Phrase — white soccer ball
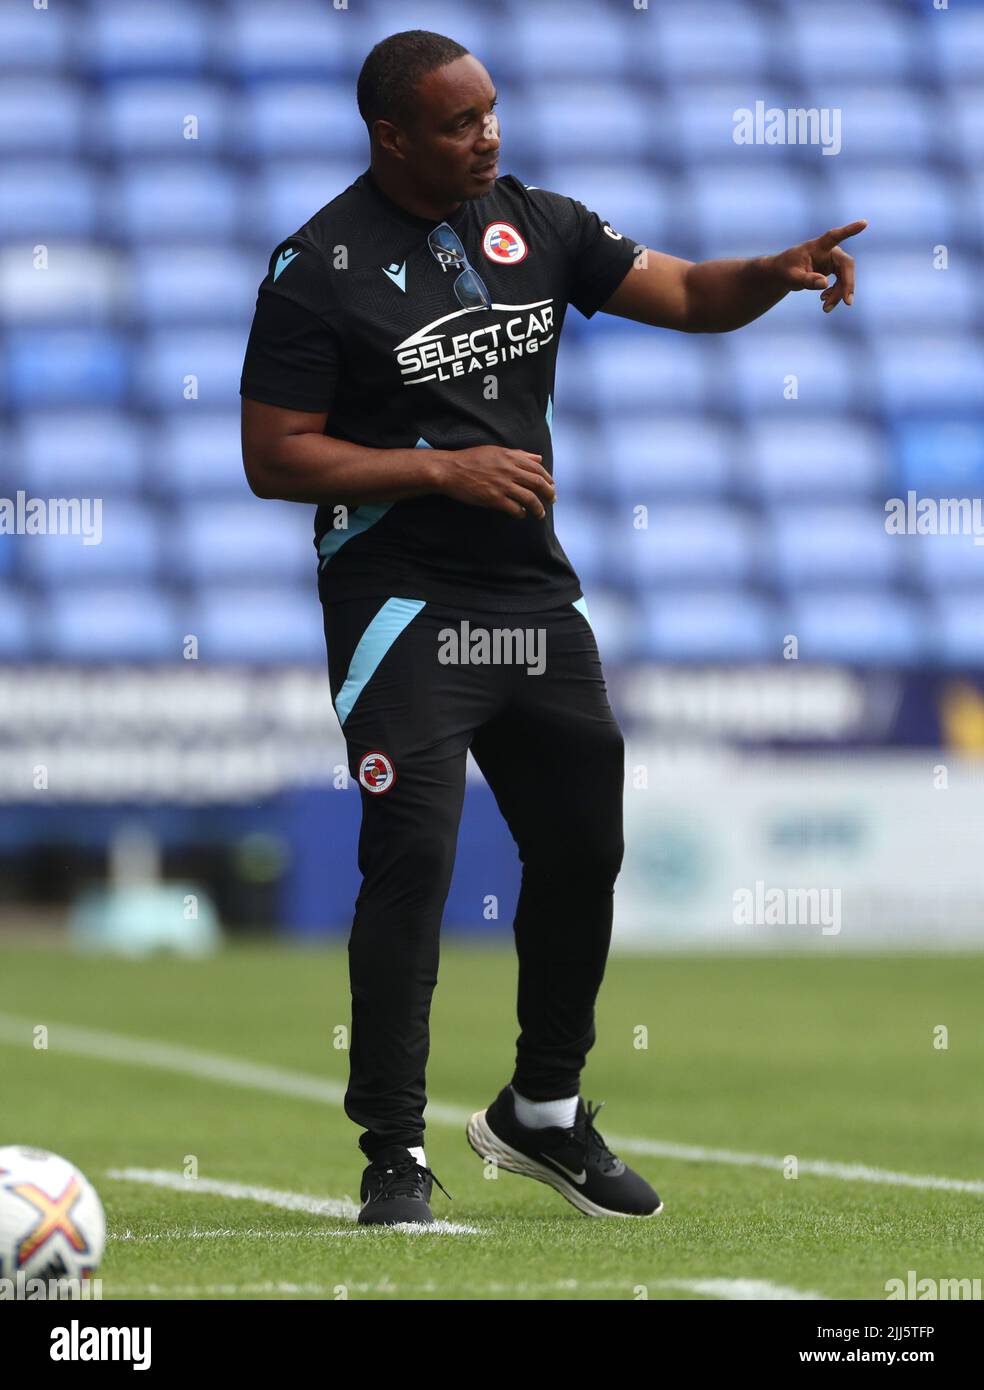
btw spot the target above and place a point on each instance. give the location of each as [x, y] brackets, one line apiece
[52, 1224]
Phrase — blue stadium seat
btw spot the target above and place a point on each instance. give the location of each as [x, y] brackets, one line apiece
[829, 369]
[958, 43]
[903, 203]
[699, 544]
[922, 372]
[273, 624]
[65, 453]
[940, 457]
[66, 367]
[128, 548]
[613, 621]
[786, 455]
[302, 39]
[623, 367]
[708, 625]
[878, 40]
[10, 544]
[119, 39]
[563, 40]
[111, 622]
[248, 539]
[744, 211]
[60, 195]
[727, 38]
[301, 119]
[193, 283]
[285, 193]
[198, 455]
[949, 563]
[167, 200]
[644, 456]
[81, 287]
[580, 119]
[902, 289]
[878, 121]
[964, 116]
[976, 191]
[17, 623]
[148, 116]
[699, 122]
[862, 627]
[168, 356]
[958, 630]
[580, 467]
[641, 207]
[587, 535]
[41, 115]
[32, 40]
[479, 28]
[812, 545]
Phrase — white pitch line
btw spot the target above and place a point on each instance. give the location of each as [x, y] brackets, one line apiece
[211, 1290]
[209, 1066]
[229, 1233]
[742, 1289]
[339, 1208]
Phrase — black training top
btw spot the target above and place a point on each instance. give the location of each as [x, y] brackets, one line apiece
[358, 317]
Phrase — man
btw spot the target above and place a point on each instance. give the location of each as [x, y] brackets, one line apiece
[399, 373]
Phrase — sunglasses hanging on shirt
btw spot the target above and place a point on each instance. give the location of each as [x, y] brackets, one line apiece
[447, 248]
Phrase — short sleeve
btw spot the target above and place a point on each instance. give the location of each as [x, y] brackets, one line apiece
[293, 354]
[599, 256]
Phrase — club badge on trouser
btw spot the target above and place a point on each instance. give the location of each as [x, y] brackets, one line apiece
[376, 773]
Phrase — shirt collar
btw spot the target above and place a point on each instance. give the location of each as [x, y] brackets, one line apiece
[401, 214]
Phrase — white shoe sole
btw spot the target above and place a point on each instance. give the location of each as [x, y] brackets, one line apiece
[488, 1145]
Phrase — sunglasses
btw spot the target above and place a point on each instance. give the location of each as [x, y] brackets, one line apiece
[469, 286]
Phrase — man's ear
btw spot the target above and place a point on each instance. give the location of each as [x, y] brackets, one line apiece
[390, 138]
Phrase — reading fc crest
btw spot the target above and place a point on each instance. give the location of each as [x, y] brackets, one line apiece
[502, 243]
[376, 773]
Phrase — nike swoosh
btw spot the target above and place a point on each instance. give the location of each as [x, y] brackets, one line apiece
[283, 261]
[398, 274]
[580, 1178]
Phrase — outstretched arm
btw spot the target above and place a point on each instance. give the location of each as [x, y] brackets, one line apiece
[717, 296]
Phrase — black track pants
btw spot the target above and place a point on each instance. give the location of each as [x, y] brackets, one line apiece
[551, 751]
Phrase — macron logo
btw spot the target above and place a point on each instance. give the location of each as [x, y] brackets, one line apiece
[283, 261]
[398, 274]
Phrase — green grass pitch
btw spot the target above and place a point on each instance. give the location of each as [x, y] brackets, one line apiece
[824, 1059]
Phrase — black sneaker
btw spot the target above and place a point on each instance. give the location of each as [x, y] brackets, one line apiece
[396, 1188]
[576, 1161]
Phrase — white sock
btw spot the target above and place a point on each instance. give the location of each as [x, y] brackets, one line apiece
[419, 1156]
[539, 1114]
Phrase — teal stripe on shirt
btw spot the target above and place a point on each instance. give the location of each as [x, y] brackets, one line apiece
[360, 519]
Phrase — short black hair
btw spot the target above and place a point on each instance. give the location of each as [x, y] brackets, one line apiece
[389, 76]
